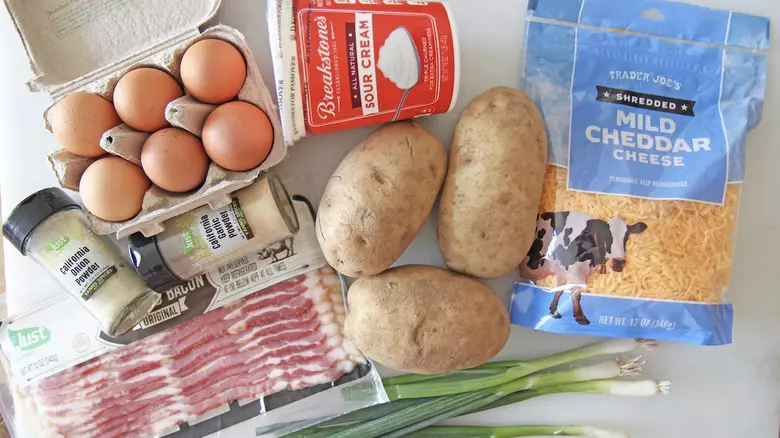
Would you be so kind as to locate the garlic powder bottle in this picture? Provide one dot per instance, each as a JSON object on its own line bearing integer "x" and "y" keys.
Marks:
{"x": 206, "y": 238}
{"x": 50, "y": 228}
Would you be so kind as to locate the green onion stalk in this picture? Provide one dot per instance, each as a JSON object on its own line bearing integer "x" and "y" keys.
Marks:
{"x": 610, "y": 346}
{"x": 606, "y": 347}
{"x": 641, "y": 388}
{"x": 423, "y": 401}
{"x": 512, "y": 370}
{"x": 435, "y": 410}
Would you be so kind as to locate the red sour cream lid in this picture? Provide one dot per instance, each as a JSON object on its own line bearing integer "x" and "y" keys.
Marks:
{"x": 342, "y": 64}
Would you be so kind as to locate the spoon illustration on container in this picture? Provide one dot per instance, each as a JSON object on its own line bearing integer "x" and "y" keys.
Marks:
{"x": 399, "y": 61}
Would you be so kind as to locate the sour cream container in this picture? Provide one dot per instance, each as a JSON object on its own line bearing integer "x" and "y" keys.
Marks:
{"x": 342, "y": 64}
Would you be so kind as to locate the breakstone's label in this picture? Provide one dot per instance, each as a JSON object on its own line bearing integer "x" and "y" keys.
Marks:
{"x": 343, "y": 64}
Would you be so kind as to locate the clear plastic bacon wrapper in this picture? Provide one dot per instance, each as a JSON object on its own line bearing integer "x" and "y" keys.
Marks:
{"x": 253, "y": 348}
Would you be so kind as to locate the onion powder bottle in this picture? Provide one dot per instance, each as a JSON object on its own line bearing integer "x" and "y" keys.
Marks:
{"x": 50, "y": 228}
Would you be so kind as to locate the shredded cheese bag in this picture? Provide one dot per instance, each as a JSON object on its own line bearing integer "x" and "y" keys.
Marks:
{"x": 647, "y": 105}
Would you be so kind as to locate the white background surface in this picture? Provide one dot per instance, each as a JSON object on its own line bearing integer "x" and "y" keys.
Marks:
{"x": 719, "y": 392}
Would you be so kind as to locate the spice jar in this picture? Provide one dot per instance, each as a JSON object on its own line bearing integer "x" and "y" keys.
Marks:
{"x": 50, "y": 228}
{"x": 205, "y": 238}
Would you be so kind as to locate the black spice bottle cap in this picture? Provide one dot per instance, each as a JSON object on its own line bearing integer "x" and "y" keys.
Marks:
{"x": 32, "y": 212}
{"x": 149, "y": 264}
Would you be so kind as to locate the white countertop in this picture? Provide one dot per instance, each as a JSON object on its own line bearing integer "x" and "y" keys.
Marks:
{"x": 728, "y": 392}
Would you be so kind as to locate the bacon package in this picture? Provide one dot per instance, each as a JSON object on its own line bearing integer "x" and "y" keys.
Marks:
{"x": 647, "y": 105}
{"x": 256, "y": 344}
{"x": 286, "y": 337}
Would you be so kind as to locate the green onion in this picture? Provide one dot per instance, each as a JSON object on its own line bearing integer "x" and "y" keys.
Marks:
{"x": 637, "y": 388}
{"x": 316, "y": 432}
{"x": 607, "y": 387}
{"x": 607, "y": 346}
{"x": 517, "y": 369}
{"x": 365, "y": 414}
{"x": 515, "y": 374}
{"x": 513, "y": 431}
{"x": 405, "y": 379}
{"x": 414, "y": 418}
{"x": 624, "y": 366}
{"x": 460, "y": 410}
{"x": 599, "y": 371}
{"x": 641, "y": 388}
{"x": 409, "y": 416}
{"x": 423, "y": 401}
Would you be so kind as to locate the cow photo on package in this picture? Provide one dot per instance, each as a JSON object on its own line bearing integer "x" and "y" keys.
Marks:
{"x": 572, "y": 246}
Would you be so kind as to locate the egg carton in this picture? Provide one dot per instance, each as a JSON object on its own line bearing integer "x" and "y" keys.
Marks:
{"x": 152, "y": 33}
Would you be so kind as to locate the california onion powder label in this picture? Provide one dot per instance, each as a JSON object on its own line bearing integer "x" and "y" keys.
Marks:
{"x": 343, "y": 64}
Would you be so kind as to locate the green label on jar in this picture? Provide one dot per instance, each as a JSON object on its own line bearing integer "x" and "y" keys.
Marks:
{"x": 189, "y": 241}
{"x": 57, "y": 244}
{"x": 213, "y": 233}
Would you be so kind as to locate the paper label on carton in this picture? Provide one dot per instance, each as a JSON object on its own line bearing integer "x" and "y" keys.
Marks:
{"x": 61, "y": 335}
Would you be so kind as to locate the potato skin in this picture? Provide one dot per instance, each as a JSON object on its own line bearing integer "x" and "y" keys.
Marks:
{"x": 487, "y": 215}
{"x": 426, "y": 320}
{"x": 379, "y": 198}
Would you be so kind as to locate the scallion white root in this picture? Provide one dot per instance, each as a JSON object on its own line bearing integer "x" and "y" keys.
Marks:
{"x": 638, "y": 388}
{"x": 630, "y": 366}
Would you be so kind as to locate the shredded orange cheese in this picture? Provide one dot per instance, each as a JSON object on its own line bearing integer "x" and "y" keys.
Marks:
{"x": 685, "y": 254}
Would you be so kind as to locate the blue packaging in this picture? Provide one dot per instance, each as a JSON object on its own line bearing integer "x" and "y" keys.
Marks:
{"x": 647, "y": 105}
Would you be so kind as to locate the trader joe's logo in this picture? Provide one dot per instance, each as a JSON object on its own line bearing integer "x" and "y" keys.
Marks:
{"x": 29, "y": 338}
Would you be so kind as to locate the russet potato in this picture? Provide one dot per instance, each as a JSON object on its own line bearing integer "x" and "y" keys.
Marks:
{"x": 379, "y": 198}
{"x": 426, "y": 320}
{"x": 487, "y": 214}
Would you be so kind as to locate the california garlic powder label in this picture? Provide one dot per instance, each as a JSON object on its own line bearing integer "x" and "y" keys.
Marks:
{"x": 215, "y": 233}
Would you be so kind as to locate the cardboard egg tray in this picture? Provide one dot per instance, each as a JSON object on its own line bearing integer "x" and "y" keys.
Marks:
{"x": 186, "y": 113}
{"x": 78, "y": 46}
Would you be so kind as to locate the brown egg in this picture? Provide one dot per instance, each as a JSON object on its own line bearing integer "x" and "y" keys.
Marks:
{"x": 238, "y": 136}
{"x": 175, "y": 160}
{"x": 79, "y": 120}
{"x": 140, "y": 98}
{"x": 213, "y": 71}
{"x": 113, "y": 189}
